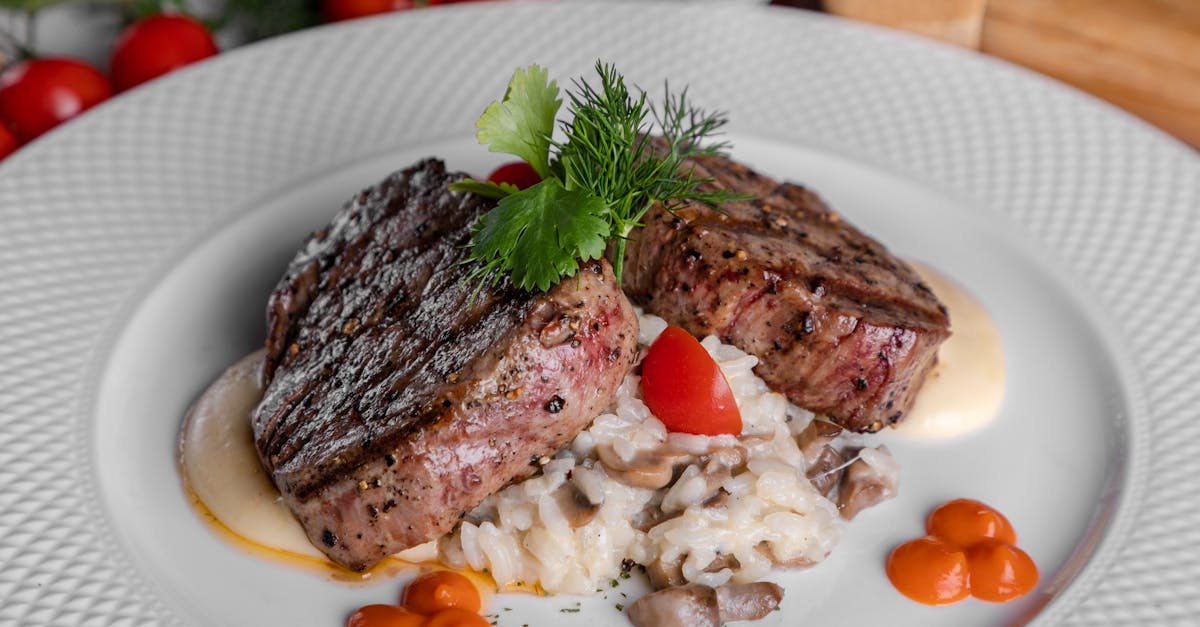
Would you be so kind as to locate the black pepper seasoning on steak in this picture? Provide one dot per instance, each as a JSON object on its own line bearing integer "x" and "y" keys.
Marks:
{"x": 840, "y": 325}
{"x": 394, "y": 402}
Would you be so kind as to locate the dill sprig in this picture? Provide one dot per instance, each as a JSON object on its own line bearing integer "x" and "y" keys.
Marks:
{"x": 597, "y": 183}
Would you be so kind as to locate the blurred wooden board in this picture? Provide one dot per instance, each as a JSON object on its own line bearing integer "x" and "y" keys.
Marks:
{"x": 1142, "y": 55}
{"x": 955, "y": 21}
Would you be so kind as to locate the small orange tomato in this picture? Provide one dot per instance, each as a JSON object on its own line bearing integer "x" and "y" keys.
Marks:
{"x": 966, "y": 522}
{"x": 456, "y": 617}
{"x": 1000, "y": 572}
{"x": 384, "y": 616}
{"x": 929, "y": 571}
{"x": 441, "y": 589}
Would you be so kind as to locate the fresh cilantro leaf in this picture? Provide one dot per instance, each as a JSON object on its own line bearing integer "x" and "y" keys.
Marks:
{"x": 523, "y": 122}
{"x": 487, "y": 189}
{"x": 538, "y": 235}
{"x": 621, "y": 155}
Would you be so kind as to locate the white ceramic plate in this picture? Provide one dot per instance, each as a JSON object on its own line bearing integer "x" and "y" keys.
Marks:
{"x": 139, "y": 243}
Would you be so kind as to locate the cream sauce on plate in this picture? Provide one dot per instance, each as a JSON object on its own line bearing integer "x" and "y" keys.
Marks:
{"x": 964, "y": 390}
{"x": 221, "y": 469}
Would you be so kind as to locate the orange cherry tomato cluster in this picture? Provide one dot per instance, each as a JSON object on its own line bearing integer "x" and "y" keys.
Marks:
{"x": 38, "y": 94}
{"x": 685, "y": 388}
{"x": 440, "y": 598}
{"x": 970, "y": 550}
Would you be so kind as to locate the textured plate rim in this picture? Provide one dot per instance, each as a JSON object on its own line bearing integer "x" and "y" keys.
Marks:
{"x": 1129, "y": 502}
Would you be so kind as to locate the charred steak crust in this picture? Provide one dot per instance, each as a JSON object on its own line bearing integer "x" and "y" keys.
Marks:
{"x": 394, "y": 402}
{"x": 840, "y": 325}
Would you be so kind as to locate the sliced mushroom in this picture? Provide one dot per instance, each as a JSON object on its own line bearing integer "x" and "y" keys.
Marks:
{"x": 718, "y": 466}
{"x": 480, "y": 515}
{"x": 665, "y": 574}
{"x": 823, "y": 461}
{"x": 575, "y": 505}
{"x": 696, "y": 605}
{"x": 823, "y": 472}
{"x": 693, "y": 605}
{"x": 714, "y": 474}
{"x": 730, "y": 457}
{"x": 651, "y": 516}
{"x": 796, "y": 562}
{"x": 748, "y": 601}
{"x": 815, "y": 437}
{"x": 870, "y": 479}
{"x": 650, "y": 469}
{"x": 723, "y": 561}
{"x": 450, "y": 551}
{"x": 718, "y": 499}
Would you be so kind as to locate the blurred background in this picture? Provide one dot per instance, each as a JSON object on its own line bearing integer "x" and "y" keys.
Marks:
{"x": 1141, "y": 55}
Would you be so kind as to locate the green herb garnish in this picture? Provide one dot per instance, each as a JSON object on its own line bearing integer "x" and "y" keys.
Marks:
{"x": 597, "y": 183}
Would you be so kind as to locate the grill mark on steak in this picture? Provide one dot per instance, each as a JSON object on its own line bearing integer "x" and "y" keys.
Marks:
{"x": 395, "y": 402}
{"x": 840, "y": 325}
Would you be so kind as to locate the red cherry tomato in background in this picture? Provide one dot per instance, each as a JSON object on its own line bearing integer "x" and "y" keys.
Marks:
{"x": 384, "y": 616}
{"x": 518, "y": 173}
{"x": 155, "y": 45}
{"x": 8, "y": 142}
{"x": 686, "y": 389}
{"x": 39, "y": 94}
{"x": 339, "y": 10}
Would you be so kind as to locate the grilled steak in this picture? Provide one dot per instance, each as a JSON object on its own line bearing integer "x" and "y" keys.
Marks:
{"x": 840, "y": 326}
{"x": 395, "y": 402}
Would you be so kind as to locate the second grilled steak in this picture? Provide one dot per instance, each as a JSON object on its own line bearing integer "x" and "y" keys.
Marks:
{"x": 396, "y": 402}
{"x": 840, "y": 325}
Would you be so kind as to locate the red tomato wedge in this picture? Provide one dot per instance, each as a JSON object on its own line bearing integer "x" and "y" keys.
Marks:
{"x": 686, "y": 389}
{"x": 518, "y": 173}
